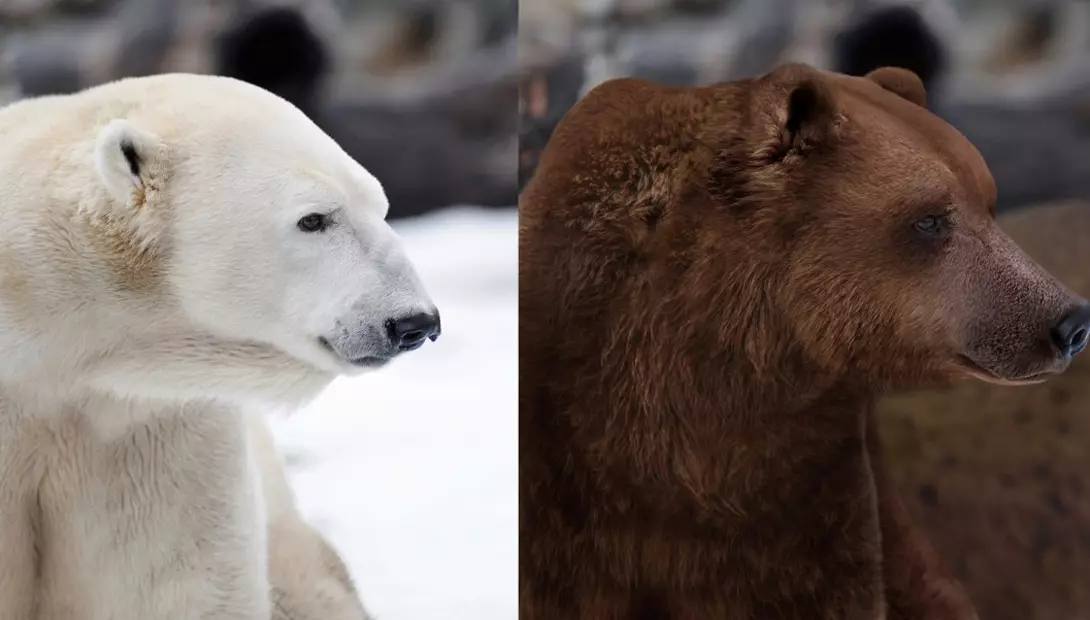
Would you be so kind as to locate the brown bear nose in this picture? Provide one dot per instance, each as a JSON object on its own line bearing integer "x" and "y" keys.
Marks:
{"x": 1071, "y": 333}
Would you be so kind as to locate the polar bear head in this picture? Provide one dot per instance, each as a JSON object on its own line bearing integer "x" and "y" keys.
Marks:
{"x": 264, "y": 243}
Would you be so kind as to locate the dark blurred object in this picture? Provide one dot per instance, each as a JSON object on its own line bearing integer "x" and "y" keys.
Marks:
{"x": 1038, "y": 151}
{"x": 893, "y": 36}
{"x": 435, "y": 151}
{"x": 276, "y": 49}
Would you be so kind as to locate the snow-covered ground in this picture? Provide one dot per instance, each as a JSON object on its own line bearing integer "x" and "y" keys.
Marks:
{"x": 412, "y": 471}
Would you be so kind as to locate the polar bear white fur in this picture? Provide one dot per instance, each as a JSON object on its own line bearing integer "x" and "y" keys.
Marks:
{"x": 309, "y": 580}
{"x": 175, "y": 250}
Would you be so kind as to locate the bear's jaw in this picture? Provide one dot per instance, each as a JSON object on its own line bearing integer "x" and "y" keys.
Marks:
{"x": 969, "y": 369}
{"x": 202, "y": 367}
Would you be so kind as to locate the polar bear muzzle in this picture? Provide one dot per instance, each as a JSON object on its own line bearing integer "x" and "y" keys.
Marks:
{"x": 367, "y": 348}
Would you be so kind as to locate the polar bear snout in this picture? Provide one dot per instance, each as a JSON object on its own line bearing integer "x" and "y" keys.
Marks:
{"x": 366, "y": 346}
{"x": 409, "y": 333}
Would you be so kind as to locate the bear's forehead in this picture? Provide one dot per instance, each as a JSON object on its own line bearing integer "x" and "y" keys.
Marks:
{"x": 293, "y": 150}
{"x": 221, "y": 127}
{"x": 350, "y": 185}
{"x": 912, "y": 140}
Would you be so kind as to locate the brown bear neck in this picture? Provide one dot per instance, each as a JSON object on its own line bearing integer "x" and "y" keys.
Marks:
{"x": 705, "y": 425}
{"x": 692, "y": 478}
{"x": 654, "y": 404}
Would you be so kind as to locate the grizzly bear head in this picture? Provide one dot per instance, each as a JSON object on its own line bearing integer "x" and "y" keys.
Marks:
{"x": 799, "y": 230}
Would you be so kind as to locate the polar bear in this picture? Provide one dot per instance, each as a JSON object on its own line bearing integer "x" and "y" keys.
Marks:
{"x": 176, "y": 251}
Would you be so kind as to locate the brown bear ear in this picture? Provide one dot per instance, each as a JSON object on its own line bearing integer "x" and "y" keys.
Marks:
{"x": 809, "y": 115}
{"x": 900, "y": 82}
{"x": 801, "y": 104}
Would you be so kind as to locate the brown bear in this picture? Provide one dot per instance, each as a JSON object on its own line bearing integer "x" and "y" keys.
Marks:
{"x": 715, "y": 285}
{"x": 999, "y": 478}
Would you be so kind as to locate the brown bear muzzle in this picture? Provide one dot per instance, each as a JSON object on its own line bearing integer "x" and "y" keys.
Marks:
{"x": 1023, "y": 325}
{"x": 1068, "y": 335}
{"x": 1073, "y": 330}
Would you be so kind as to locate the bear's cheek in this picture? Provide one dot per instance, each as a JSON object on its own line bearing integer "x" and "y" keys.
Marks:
{"x": 894, "y": 328}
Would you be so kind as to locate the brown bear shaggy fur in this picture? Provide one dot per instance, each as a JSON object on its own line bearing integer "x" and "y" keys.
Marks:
{"x": 998, "y": 477}
{"x": 715, "y": 285}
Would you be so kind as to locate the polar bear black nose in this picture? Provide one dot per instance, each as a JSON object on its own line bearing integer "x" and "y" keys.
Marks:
{"x": 410, "y": 332}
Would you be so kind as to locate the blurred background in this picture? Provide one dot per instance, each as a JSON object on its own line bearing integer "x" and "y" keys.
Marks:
{"x": 998, "y": 478}
{"x": 410, "y": 472}
{"x": 421, "y": 92}
{"x": 1014, "y": 76}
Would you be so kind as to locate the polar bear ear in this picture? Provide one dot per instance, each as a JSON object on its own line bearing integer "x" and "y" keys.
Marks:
{"x": 129, "y": 161}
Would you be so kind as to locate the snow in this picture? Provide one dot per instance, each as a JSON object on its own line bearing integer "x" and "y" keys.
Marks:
{"x": 411, "y": 472}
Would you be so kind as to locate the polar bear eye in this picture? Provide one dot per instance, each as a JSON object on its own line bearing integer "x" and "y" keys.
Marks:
{"x": 315, "y": 222}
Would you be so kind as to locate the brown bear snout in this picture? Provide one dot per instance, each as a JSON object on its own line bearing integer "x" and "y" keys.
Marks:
{"x": 1024, "y": 325}
{"x": 1071, "y": 333}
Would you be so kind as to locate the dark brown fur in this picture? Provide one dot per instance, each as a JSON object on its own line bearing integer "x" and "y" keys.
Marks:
{"x": 999, "y": 477}
{"x": 715, "y": 284}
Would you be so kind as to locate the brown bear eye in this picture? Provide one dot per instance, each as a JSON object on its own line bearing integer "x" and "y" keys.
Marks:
{"x": 932, "y": 225}
{"x": 315, "y": 222}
